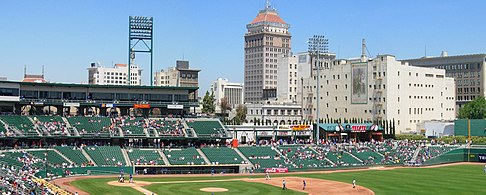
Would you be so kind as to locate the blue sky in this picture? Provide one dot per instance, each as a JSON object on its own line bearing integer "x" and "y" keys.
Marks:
{"x": 65, "y": 36}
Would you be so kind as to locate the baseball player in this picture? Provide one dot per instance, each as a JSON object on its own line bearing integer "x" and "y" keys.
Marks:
{"x": 304, "y": 184}
{"x": 267, "y": 176}
{"x": 131, "y": 178}
{"x": 283, "y": 185}
{"x": 354, "y": 183}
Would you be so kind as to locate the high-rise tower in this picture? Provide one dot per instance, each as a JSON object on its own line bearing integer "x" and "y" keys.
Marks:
{"x": 267, "y": 37}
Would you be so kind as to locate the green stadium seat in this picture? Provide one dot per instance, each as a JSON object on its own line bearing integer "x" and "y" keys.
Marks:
{"x": 106, "y": 155}
{"x": 207, "y": 128}
{"x": 92, "y": 126}
{"x": 263, "y": 157}
{"x": 73, "y": 154}
{"x": 187, "y": 156}
{"x": 222, "y": 155}
{"x": 145, "y": 156}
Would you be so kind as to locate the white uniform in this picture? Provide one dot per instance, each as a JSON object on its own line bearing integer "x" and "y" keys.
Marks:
{"x": 267, "y": 176}
{"x": 354, "y": 183}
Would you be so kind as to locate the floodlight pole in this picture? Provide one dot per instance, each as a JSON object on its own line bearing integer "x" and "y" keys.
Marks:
{"x": 317, "y": 44}
{"x": 140, "y": 29}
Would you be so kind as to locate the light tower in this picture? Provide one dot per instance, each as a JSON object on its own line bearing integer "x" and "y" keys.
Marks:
{"x": 140, "y": 31}
{"x": 318, "y": 45}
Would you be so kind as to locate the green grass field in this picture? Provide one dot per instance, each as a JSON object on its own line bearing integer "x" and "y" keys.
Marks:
{"x": 457, "y": 179}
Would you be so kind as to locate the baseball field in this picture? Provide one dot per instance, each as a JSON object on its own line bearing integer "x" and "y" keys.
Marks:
{"x": 459, "y": 178}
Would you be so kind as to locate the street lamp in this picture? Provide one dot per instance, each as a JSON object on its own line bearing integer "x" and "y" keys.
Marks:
{"x": 317, "y": 45}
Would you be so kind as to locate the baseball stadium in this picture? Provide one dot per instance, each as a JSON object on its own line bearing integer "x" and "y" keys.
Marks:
{"x": 90, "y": 139}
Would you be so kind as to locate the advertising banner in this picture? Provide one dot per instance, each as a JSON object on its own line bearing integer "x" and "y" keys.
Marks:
{"x": 67, "y": 104}
{"x": 141, "y": 105}
{"x": 359, "y": 78}
{"x": 175, "y": 106}
{"x": 482, "y": 157}
{"x": 277, "y": 170}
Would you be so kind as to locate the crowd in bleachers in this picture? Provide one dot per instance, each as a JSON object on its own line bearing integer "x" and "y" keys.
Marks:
{"x": 166, "y": 127}
{"x": 51, "y": 125}
{"x": 428, "y": 152}
{"x": 16, "y": 173}
{"x": 304, "y": 157}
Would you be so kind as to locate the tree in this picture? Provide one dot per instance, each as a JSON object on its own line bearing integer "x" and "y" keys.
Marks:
{"x": 240, "y": 113}
{"x": 224, "y": 106}
{"x": 208, "y": 103}
{"x": 475, "y": 109}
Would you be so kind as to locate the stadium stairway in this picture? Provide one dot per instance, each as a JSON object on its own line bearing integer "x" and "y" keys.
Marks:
{"x": 146, "y": 131}
{"x": 125, "y": 156}
{"x": 88, "y": 157}
{"x": 352, "y": 155}
{"x": 284, "y": 156}
{"x": 70, "y": 127}
{"x": 206, "y": 160}
{"x": 65, "y": 158}
{"x": 243, "y": 157}
{"x": 186, "y": 128}
{"x": 164, "y": 158}
{"x": 36, "y": 127}
{"x": 120, "y": 132}
{"x": 317, "y": 152}
{"x": 415, "y": 154}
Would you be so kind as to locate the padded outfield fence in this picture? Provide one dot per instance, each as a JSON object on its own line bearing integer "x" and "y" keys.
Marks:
{"x": 459, "y": 155}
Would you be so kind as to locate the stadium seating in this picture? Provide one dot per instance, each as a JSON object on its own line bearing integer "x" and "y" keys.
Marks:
{"x": 222, "y": 155}
{"x": 3, "y": 131}
{"x": 106, "y": 155}
{"x": 167, "y": 128}
{"x": 368, "y": 156}
{"x": 11, "y": 159}
{"x": 304, "y": 157}
{"x": 131, "y": 126}
{"x": 342, "y": 159}
{"x": 73, "y": 154}
{"x": 21, "y": 123}
{"x": 145, "y": 156}
{"x": 53, "y": 125}
{"x": 263, "y": 157}
{"x": 92, "y": 126}
{"x": 206, "y": 128}
{"x": 188, "y": 156}
{"x": 53, "y": 158}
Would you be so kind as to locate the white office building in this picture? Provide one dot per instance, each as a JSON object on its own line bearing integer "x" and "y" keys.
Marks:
{"x": 380, "y": 88}
{"x": 274, "y": 113}
{"x": 99, "y": 75}
{"x": 232, "y": 91}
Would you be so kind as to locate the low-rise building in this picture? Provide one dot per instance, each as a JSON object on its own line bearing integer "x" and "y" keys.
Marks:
{"x": 118, "y": 75}
{"x": 233, "y": 92}
{"x": 380, "y": 89}
{"x": 274, "y": 113}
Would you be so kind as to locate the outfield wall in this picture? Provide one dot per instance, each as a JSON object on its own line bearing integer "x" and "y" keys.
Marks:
{"x": 87, "y": 171}
{"x": 459, "y": 155}
{"x": 478, "y": 127}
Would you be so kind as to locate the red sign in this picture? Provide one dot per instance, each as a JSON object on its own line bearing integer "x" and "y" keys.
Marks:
{"x": 141, "y": 105}
{"x": 276, "y": 170}
{"x": 358, "y": 128}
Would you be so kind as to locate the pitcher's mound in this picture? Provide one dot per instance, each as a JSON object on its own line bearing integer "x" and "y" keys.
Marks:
{"x": 214, "y": 189}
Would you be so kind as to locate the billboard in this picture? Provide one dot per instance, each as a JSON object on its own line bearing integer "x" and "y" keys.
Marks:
{"x": 277, "y": 170}
{"x": 175, "y": 106}
{"x": 141, "y": 105}
{"x": 359, "y": 78}
{"x": 482, "y": 157}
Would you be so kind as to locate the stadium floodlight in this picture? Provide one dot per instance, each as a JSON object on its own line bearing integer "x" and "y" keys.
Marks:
{"x": 140, "y": 30}
{"x": 318, "y": 44}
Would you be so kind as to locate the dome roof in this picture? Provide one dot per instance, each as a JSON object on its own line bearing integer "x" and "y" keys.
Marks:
{"x": 268, "y": 15}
